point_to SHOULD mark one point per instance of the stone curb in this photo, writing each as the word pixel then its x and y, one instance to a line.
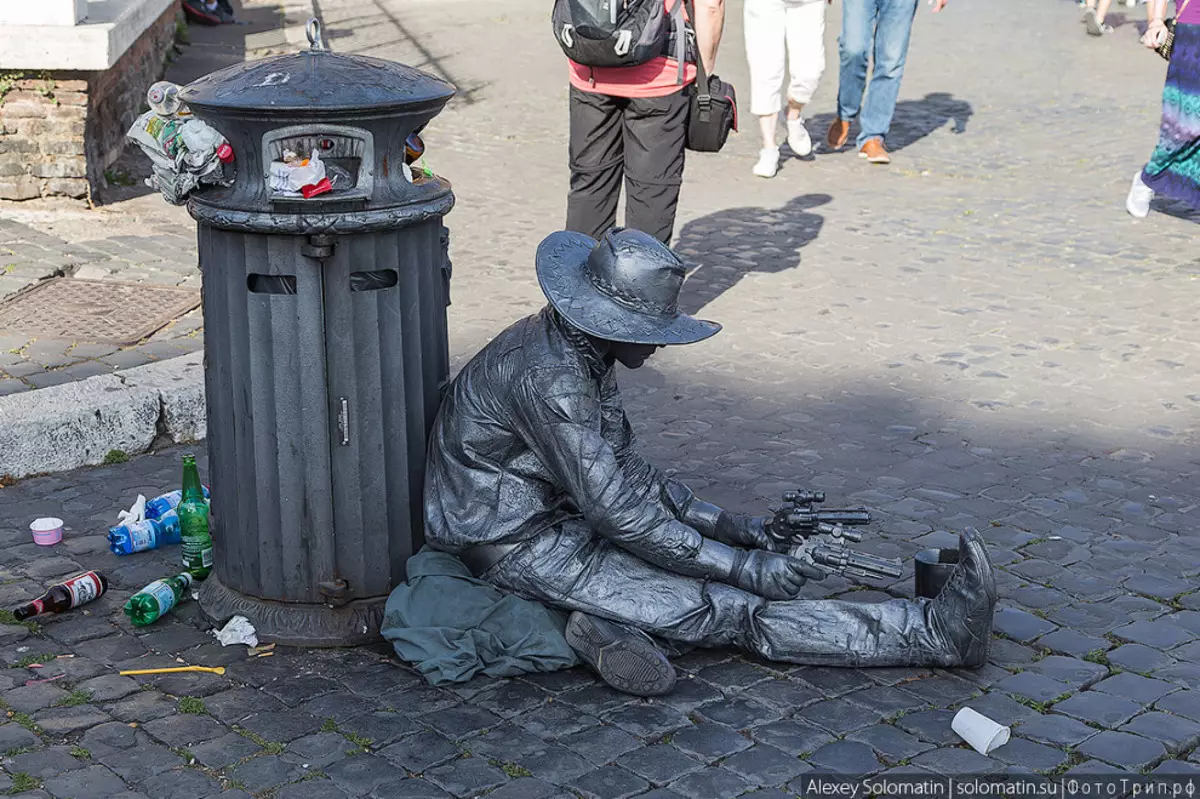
pixel 78 424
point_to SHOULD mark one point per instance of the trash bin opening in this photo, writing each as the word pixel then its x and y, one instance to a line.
pixel 374 281
pixel 271 284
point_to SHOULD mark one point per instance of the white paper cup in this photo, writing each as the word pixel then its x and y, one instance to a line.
pixel 979 731
pixel 46 532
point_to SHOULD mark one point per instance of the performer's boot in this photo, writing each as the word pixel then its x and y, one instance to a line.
pixel 625 658
pixel 961 615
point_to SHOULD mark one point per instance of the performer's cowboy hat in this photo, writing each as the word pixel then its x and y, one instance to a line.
pixel 623 288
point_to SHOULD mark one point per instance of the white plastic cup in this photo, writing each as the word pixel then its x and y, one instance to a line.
pixel 46 532
pixel 979 731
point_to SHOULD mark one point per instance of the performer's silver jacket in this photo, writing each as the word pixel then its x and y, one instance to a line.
pixel 532 434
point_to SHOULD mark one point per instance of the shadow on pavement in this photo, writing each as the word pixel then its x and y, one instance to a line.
pixel 913 121
pixel 766 240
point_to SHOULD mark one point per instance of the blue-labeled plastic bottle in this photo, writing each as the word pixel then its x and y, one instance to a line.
pixel 156 507
pixel 125 539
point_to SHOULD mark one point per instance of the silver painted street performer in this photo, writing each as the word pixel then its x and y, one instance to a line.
pixel 534 481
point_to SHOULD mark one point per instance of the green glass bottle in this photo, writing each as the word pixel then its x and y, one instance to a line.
pixel 193 522
pixel 152 602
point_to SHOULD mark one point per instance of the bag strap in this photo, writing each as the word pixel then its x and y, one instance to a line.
pixel 679 26
pixel 1179 9
pixel 702 94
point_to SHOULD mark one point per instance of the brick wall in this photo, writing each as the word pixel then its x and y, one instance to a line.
pixel 61 130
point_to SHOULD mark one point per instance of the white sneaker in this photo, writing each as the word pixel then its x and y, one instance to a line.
pixel 768 162
pixel 798 138
pixel 1140 195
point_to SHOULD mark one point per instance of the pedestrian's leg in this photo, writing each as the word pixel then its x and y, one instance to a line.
pixel 805 27
pixel 596 158
pixel 892 33
pixel 1102 10
pixel 764 28
pixel 854 48
pixel 655 135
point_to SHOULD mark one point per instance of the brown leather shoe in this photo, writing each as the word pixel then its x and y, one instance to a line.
pixel 839 131
pixel 874 151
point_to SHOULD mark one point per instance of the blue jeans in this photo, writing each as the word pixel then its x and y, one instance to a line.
pixel 880 28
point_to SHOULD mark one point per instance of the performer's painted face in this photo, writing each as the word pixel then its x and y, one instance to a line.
pixel 631 356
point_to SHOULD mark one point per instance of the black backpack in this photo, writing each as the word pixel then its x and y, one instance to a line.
pixel 621 33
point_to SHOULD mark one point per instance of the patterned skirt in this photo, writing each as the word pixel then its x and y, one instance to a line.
pixel 1174 168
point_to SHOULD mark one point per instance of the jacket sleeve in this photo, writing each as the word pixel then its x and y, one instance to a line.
pixel 680 501
pixel 558 415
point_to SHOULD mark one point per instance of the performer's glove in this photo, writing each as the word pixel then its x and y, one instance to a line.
pixel 771 575
pixel 740 530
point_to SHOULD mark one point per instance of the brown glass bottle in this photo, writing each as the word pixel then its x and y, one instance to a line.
pixel 61 597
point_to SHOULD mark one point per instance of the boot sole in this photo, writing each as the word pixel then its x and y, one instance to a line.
pixel 632 666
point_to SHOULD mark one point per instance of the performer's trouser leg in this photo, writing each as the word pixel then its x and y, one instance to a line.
pixel 572 568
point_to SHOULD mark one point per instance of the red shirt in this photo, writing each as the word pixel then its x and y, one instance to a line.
pixel 657 77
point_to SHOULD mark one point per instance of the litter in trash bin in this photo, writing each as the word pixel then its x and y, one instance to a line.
pixel 184 152
pixel 239 630
pixel 295 175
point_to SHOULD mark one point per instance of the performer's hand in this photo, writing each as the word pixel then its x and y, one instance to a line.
pixel 771 575
pixel 740 530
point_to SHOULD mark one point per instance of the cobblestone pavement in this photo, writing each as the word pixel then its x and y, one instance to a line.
pixel 29 256
pixel 976 335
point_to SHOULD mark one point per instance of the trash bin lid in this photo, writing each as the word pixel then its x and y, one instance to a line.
pixel 317 82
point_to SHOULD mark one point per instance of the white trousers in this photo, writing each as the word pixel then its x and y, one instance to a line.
pixel 771 27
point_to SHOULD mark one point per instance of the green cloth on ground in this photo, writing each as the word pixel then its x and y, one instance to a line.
pixel 452 626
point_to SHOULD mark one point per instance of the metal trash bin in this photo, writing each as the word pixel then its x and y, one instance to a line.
pixel 325 347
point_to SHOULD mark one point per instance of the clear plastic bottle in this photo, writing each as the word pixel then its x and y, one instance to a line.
pixel 156 600
pixel 125 539
pixel 156 507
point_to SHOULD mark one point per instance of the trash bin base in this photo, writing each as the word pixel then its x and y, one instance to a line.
pixel 293 623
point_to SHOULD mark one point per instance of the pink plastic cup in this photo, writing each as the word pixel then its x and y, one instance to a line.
pixel 46 532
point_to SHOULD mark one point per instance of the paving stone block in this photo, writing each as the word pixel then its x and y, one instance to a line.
pixel 1021 626
pixel 469 776
pixel 508 741
pixel 526 788
pixel 1023 752
pixel 14 736
pixel 1072 671
pixel 381 727
pixel 890 743
pixel 421 751
pixel 555 720
pixel 939 690
pixel 1183 703
pixel 143 760
pixel 362 775
pixel 1103 709
pixel 31 698
pixel 596 699
pixel 1033 686
pixel 266 772
pixel 783 694
pixel 739 713
pixel 185 729
pixel 511 698
pixel 733 674
pixel 554 763
pixel 180 782
pixel 312 789
pixel 66 720
pixel 764 765
pixel 282 726
pixel 955 761
pixel 1139 658
pixel 661 764
pixel 709 742
pixel 1123 749
pixel 44 763
pixel 339 706
pixel 648 720
pixel 834 682
pixel 710 783
pixel 604 744
pixel 887 701
pixel 141 707
pixel 1075 644
pixel 1159 634
pixel 93 782
pixel 1056 730
pixel 846 757
pixel 224 751
pixel 1176 733
pixel 931 726
pixel 1135 687
pixel 839 716
pixel 108 688
pixel 691 693
pixel 792 737
pixel 609 782
pixel 1176 767
pixel 462 721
